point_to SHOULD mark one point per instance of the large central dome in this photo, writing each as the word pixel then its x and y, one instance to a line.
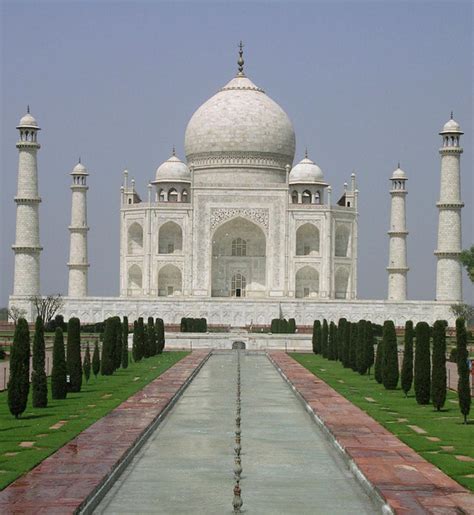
pixel 240 126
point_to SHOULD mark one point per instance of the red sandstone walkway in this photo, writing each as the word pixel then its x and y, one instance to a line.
pixel 407 482
pixel 63 482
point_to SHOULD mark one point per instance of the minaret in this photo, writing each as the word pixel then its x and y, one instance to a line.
pixel 449 269
pixel 397 262
pixel 78 264
pixel 27 242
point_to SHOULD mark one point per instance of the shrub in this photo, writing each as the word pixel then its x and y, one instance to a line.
pixel 141 337
pixel 118 343
pixel 407 365
pixel 390 372
pixel 422 380
pixel 464 393
pixel 438 371
pixel 379 362
pixel 324 339
pixel 331 353
pixel 39 384
pixel 96 360
pixel 150 338
pixel 107 363
pixel 124 360
pixel 361 361
pixel 182 325
pixel 369 346
pixel 292 326
pixel 341 329
pixel 19 382
pixel 73 355
pixel 453 355
pixel 136 351
pixel 316 340
pixel 160 335
pixel 86 365
pixel 59 371
pixel 353 347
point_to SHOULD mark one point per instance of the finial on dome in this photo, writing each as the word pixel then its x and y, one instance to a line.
pixel 28 109
pixel 398 165
pixel 174 151
pixel 306 153
pixel 452 115
pixel 79 160
pixel 241 61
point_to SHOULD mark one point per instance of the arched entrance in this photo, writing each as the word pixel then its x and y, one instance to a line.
pixel 169 281
pixel 238 261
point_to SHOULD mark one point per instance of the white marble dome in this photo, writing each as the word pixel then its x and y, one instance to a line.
pixel 79 169
pixel 28 121
pixel 173 170
pixel 240 122
pixel 399 174
pixel 451 126
pixel 306 172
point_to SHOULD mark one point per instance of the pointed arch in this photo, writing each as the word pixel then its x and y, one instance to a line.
pixel 341 247
pixel 135 280
pixel 135 238
pixel 170 238
pixel 169 281
pixel 341 283
pixel 307 240
pixel 307 282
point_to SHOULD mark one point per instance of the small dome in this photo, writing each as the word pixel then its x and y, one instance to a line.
pixel 79 169
pixel 399 174
pixel 451 126
pixel 306 171
pixel 28 121
pixel 173 170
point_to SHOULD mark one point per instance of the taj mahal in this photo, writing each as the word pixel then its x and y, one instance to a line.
pixel 240 230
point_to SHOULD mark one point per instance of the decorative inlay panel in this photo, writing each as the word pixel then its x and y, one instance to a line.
pixel 221 214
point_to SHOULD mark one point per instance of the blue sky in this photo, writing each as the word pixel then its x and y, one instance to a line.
pixel 366 84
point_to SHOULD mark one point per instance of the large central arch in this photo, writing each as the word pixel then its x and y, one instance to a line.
pixel 238 250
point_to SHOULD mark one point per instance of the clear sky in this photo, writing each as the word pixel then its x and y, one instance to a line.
pixel 366 84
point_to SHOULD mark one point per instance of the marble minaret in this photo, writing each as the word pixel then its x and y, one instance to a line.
pixel 78 264
pixel 449 269
pixel 397 261
pixel 27 246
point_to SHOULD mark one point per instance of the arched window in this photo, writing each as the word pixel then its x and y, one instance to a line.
pixel 306 197
pixel 307 240
pixel 317 197
pixel 135 280
pixel 294 197
pixel 342 241
pixel 306 282
pixel 169 281
pixel 135 239
pixel 184 196
pixel 238 285
pixel 170 238
pixel 172 195
pixel 239 247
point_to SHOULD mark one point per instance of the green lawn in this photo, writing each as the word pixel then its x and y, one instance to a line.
pixel 79 410
pixel 391 408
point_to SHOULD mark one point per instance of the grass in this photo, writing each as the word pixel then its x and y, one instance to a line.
pixel 79 410
pixel 391 407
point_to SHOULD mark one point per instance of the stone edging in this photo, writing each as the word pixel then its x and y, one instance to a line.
pixel 78 475
pixel 393 474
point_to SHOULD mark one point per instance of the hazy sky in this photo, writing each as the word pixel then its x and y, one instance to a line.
pixel 366 84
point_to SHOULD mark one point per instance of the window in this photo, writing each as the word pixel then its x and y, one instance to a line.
pixel 306 197
pixel 172 195
pixel 238 285
pixel 170 290
pixel 239 247
pixel 294 197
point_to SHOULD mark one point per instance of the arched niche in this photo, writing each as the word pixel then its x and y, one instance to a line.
pixel 341 283
pixel 135 239
pixel 135 280
pixel 170 238
pixel 306 282
pixel 307 240
pixel 169 281
pixel 342 238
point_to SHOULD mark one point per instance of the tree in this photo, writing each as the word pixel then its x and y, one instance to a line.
pixel 96 360
pixel 118 343
pixel 59 371
pixel 47 307
pixel 160 335
pixel 141 336
pixel 316 340
pixel 125 342
pixel 464 391
pixel 467 260
pixel 361 362
pixel 463 311
pixel 107 363
pixel 369 346
pixel 136 351
pixel 346 350
pixel 151 346
pixel 407 364
pixel 15 313
pixel 331 354
pixel 422 380
pixel 39 384
pixel 353 347
pixel 274 325
pixel 86 366
pixel 19 382
pixel 341 329
pixel 324 339
pixel 379 362
pixel 438 371
pixel 292 326
pixel 390 372
pixel 73 354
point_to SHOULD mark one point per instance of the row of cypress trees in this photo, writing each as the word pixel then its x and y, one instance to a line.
pixel 283 326
pixel 148 341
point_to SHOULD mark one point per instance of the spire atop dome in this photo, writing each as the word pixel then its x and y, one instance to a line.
pixel 240 61
pixel 452 115
pixel 174 151
pixel 28 109
pixel 306 153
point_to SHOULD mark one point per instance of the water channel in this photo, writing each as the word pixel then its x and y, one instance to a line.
pixel 187 464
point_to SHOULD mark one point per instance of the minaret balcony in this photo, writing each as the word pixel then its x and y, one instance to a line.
pixel 447 253
pixel 78 228
pixel 397 233
pixel 450 205
pixel 33 249
pixel 28 145
pixel 79 266
pixel 451 150
pixel 27 200
pixel 398 269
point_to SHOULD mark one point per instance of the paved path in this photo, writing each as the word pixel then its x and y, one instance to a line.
pixel 288 466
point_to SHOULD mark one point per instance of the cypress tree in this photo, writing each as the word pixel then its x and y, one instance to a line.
pixel 292 326
pixel 422 380
pixel 182 325
pixel 316 337
pixel 59 371
pixel 160 335
pixel 438 371
pixel 39 382
pixel 464 393
pixel 125 343
pixel 141 337
pixel 136 343
pixel 118 343
pixel 353 347
pixel 96 360
pixel 107 365
pixel 324 339
pixel 341 331
pixel 379 362
pixel 331 354
pixel 19 382
pixel 369 346
pixel 274 326
pixel 346 349
pixel 361 361
pixel 390 372
pixel 73 354
pixel 407 365
pixel 86 366
pixel 151 337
